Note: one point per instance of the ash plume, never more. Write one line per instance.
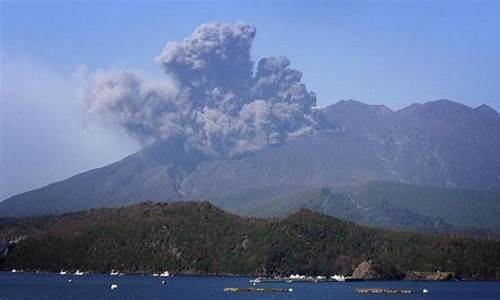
(212, 99)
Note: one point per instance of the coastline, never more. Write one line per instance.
(270, 279)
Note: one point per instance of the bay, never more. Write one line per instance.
(96, 286)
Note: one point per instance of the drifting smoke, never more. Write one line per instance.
(214, 101)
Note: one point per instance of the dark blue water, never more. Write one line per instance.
(54, 286)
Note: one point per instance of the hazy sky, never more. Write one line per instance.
(389, 52)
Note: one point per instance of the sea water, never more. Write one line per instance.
(55, 286)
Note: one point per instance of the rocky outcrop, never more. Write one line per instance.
(366, 271)
(369, 270)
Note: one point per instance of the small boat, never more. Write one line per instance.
(13, 271)
(63, 272)
(78, 273)
(256, 280)
(425, 291)
(114, 273)
(155, 274)
(114, 286)
(337, 278)
(165, 274)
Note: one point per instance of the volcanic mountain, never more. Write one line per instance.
(446, 149)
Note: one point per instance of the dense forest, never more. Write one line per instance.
(199, 238)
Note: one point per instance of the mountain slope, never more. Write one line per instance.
(200, 238)
(437, 144)
(153, 173)
(393, 205)
(440, 143)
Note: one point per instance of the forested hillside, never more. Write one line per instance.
(198, 238)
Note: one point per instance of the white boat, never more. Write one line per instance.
(256, 280)
(63, 272)
(13, 271)
(425, 291)
(114, 273)
(114, 286)
(78, 273)
(156, 274)
(165, 274)
(297, 277)
(338, 278)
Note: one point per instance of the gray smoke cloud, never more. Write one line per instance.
(213, 100)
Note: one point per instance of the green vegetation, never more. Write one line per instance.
(198, 238)
(395, 205)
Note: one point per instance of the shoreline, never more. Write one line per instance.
(186, 275)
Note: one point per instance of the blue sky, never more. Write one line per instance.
(392, 52)
(384, 52)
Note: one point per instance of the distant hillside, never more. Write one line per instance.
(198, 238)
(394, 205)
(439, 144)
